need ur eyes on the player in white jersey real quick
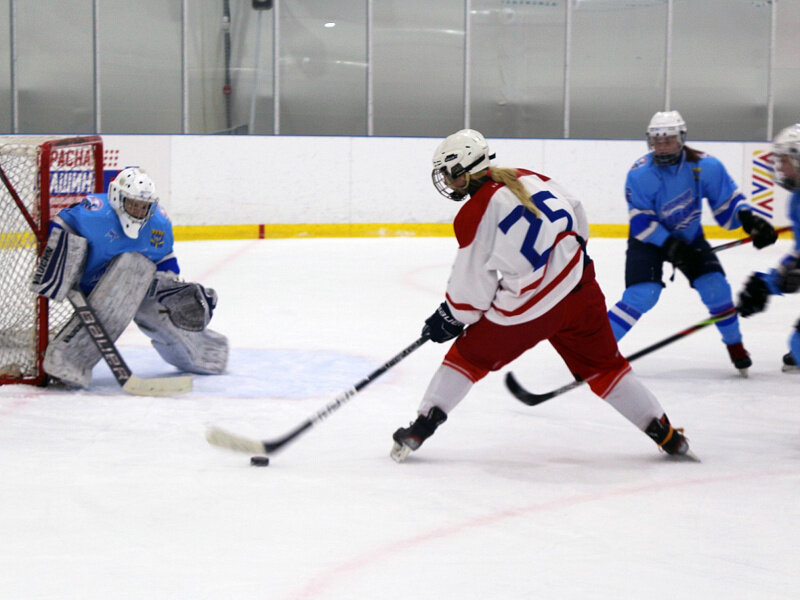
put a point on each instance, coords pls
(521, 275)
(117, 247)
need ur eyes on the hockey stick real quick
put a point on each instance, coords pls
(531, 399)
(746, 240)
(155, 386)
(231, 441)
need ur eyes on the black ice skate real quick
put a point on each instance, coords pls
(789, 364)
(740, 358)
(670, 440)
(410, 438)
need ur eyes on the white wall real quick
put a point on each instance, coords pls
(232, 180)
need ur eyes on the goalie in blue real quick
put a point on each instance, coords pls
(118, 248)
(785, 278)
(665, 190)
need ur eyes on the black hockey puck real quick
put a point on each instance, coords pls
(259, 461)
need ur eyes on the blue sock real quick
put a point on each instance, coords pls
(637, 300)
(715, 292)
(794, 347)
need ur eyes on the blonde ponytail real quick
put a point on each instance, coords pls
(508, 177)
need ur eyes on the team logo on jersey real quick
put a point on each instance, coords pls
(112, 236)
(156, 238)
(92, 203)
(641, 162)
(680, 212)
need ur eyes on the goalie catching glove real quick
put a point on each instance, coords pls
(759, 229)
(189, 306)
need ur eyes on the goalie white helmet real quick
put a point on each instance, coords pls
(461, 154)
(786, 158)
(132, 195)
(668, 124)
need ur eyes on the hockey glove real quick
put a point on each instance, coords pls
(189, 306)
(681, 254)
(442, 326)
(753, 298)
(762, 232)
(788, 275)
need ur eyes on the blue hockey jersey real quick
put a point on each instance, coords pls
(94, 219)
(773, 277)
(794, 215)
(666, 201)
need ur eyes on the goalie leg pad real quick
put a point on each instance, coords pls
(71, 355)
(61, 264)
(207, 354)
(204, 352)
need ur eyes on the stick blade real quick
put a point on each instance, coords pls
(158, 386)
(523, 395)
(225, 439)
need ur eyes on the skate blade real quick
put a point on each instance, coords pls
(744, 373)
(688, 456)
(790, 369)
(399, 452)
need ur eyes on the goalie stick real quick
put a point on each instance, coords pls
(140, 386)
(224, 439)
(531, 399)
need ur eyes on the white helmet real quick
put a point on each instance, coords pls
(132, 195)
(667, 124)
(787, 146)
(464, 152)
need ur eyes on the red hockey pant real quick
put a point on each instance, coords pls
(577, 327)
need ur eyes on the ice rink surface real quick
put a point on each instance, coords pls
(105, 495)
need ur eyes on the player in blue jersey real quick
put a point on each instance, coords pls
(785, 278)
(133, 225)
(664, 190)
(118, 248)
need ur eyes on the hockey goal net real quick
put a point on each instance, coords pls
(38, 177)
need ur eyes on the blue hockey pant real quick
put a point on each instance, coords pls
(643, 274)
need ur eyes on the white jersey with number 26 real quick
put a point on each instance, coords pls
(513, 266)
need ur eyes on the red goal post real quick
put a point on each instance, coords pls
(39, 175)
